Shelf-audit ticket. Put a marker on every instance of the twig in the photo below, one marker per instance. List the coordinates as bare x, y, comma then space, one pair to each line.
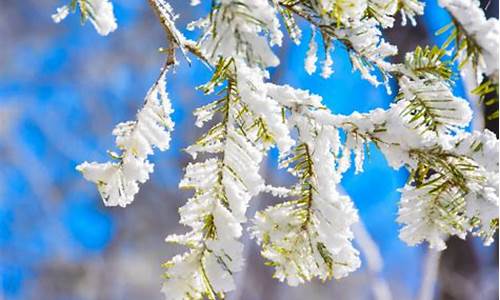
430, 274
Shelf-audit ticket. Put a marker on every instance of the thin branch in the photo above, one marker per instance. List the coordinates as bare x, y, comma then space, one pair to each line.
374, 262
430, 274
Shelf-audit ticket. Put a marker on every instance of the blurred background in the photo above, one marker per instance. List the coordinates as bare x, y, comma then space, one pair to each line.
63, 88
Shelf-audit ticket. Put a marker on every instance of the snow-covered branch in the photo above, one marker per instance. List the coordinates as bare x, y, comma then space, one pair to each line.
477, 37
118, 180
453, 184
474, 39
223, 188
452, 189
310, 236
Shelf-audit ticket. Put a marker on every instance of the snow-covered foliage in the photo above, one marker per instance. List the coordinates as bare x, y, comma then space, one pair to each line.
99, 12
453, 183
223, 186
357, 25
309, 236
409, 10
477, 35
311, 55
452, 190
460, 196
118, 180
227, 31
